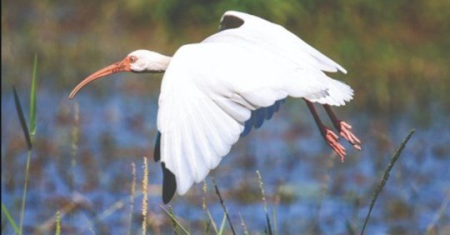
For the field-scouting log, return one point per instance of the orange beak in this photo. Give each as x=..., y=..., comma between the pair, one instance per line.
x=122, y=66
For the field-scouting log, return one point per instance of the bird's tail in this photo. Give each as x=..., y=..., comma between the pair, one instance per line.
x=337, y=94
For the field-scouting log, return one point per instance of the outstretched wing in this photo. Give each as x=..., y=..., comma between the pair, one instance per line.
x=242, y=28
x=196, y=131
x=208, y=93
x=216, y=91
x=259, y=116
x=245, y=30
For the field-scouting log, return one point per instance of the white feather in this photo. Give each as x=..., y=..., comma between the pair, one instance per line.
x=210, y=90
x=273, y=37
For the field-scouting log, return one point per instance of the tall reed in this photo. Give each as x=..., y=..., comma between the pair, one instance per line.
x=386, y=177
x=145, y=197
x=29, y=134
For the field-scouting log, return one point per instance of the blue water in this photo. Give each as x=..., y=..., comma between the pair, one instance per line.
x=306, y=185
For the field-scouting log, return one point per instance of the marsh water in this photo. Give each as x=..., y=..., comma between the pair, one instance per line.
x=81, y=165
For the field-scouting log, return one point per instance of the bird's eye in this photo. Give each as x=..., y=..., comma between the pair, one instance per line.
x=133, y=59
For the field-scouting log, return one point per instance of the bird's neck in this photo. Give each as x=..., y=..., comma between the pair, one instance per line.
x=160, y=66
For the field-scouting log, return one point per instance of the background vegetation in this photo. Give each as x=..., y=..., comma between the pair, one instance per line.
x=396, y=52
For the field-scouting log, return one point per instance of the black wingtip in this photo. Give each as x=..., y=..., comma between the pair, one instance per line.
x=157, y=151
x=230, y=22
x=169, y=184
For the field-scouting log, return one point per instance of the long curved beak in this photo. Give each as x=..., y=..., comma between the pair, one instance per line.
x=121, y=66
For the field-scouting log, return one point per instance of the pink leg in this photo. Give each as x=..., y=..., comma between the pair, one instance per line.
x=343, y=128
x=330, y=137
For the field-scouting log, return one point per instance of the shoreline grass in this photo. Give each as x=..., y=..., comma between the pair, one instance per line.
x=210, y=221
x=132, y=194
x=222, y=203
x=145, y=197
x=174, y=220
x=263, y=193
x=10, y=219
x=58, y=223
x=386, y=177
x=29, y=134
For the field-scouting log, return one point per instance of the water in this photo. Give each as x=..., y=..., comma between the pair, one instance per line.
x=306, y=185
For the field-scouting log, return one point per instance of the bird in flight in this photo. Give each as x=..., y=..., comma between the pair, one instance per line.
x=216, y=91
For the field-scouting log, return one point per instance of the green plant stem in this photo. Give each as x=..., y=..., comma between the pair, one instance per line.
x=23, y=123
x=58, y=223
x=222, y=203
x=222, y=226
x=24, y=195
x=132, y=194
x=386, y=177
x=174, y=219
x=10, y=219
x=439, y=213
x=145, y=197
x=244, y=226
x=33, y=98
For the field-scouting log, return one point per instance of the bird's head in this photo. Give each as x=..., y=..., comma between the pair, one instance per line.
x=139, y=61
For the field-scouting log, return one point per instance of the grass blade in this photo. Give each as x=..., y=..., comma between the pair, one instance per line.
x=30, y=146
x=210, y=222
x=174, y=219
x=386, y=177
x=33, y=99
x=145, y=197
x=58, y=223
x=222, y=226
x=350, y=230
x=223, y=204
x=269, y=227
x=439, y=213
x=10, y=219
x=244, y=226
x=174, y=224
x=22, y=119
x=274, y=217
x=263, y=193
x=132, y=194
x=25, y=186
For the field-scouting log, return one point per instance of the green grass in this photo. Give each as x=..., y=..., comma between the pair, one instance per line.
x=145, y=197
x=244, y=226
x=58, y=223
x=10, y=219
x=23, y=123
x=386, y=177
x=222, y=203
x=33, y=99
x=132, y=195
x=209, y=219
x=175, y=221
x=268, y=229
x=28, y=133
x=431, y=228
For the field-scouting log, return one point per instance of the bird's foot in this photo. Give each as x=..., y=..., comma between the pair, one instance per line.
x=332, y=140
x=345, y=131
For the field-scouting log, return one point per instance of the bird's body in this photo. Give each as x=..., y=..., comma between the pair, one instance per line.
x=217, y=98
x=212, y=91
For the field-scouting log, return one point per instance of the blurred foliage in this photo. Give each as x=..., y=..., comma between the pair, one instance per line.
x=396, y=52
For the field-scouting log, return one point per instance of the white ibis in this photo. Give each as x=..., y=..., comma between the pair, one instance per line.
x=215, y=91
